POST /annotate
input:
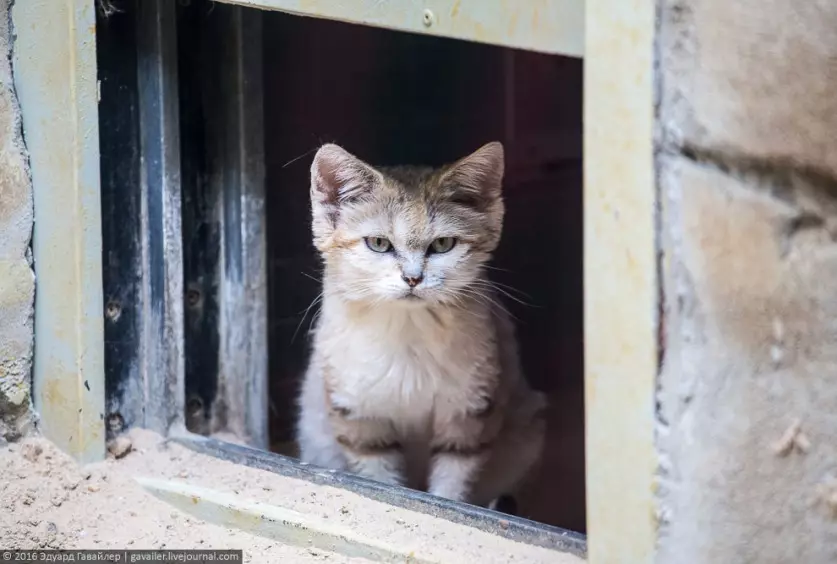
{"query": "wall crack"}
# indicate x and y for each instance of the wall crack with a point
(810, 192)
(781, 178)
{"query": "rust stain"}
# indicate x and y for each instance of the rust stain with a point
(454, 11)
(245, 520)
(481, 33)
(54, 395)
(511, 29)
(631, 262)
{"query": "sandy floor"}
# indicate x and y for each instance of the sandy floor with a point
(47, 501)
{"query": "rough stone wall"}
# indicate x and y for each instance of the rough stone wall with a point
(17, 282)
(747, 167)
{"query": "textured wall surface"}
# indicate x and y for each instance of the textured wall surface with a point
(748, 180)
(17, 282)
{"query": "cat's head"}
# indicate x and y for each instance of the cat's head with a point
(406, 234)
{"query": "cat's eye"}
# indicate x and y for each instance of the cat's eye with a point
(378, 244)
(442, 245)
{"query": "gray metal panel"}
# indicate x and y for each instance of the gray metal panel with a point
(236, 157)
(161, 350)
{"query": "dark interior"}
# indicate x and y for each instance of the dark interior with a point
(396, 98)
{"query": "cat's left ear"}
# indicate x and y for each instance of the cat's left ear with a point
(477, 179)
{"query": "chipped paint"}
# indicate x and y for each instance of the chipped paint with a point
(620, 281)
(55, 77)
(548, 26)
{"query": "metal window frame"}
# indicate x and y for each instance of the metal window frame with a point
(55, 77)
(142, 248)
(548, 26)
(621, 281)
(54, 63)
(169, 310)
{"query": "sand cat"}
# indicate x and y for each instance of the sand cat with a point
(414, 377)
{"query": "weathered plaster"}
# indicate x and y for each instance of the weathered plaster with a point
(753, 78)
(747, 174)
(17, 284)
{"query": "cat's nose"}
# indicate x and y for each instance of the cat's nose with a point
(412, 281)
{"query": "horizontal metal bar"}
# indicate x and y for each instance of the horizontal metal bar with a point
(548, 26)
(507, 526)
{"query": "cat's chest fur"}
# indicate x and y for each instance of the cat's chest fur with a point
(405, 362)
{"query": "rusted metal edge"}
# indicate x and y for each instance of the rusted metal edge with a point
(548, 26)
(55, 78)
(510, 527)
(274, 522)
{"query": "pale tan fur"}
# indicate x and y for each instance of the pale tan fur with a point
(419, 386)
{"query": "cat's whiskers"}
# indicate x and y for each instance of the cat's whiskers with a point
(517, 291)
(474, 296)
(489, 267)
(494, 286)
(295, 159)
(314, 302)
(314, 278)
(486, 299)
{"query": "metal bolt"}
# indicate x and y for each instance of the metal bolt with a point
(428, 18)
(113, 310)
(194, 405)
(193, 297)
(115, 422)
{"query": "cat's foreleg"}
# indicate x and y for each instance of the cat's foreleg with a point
(461, 446)
(453, 473)
(371, 447)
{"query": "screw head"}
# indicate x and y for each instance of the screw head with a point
(115, 422)
(193, 297)
(428, 18)
(113, 310)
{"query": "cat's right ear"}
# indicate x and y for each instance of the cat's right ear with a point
(338, 177)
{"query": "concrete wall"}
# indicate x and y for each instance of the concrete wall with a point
(17, 282)
(748, 178)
